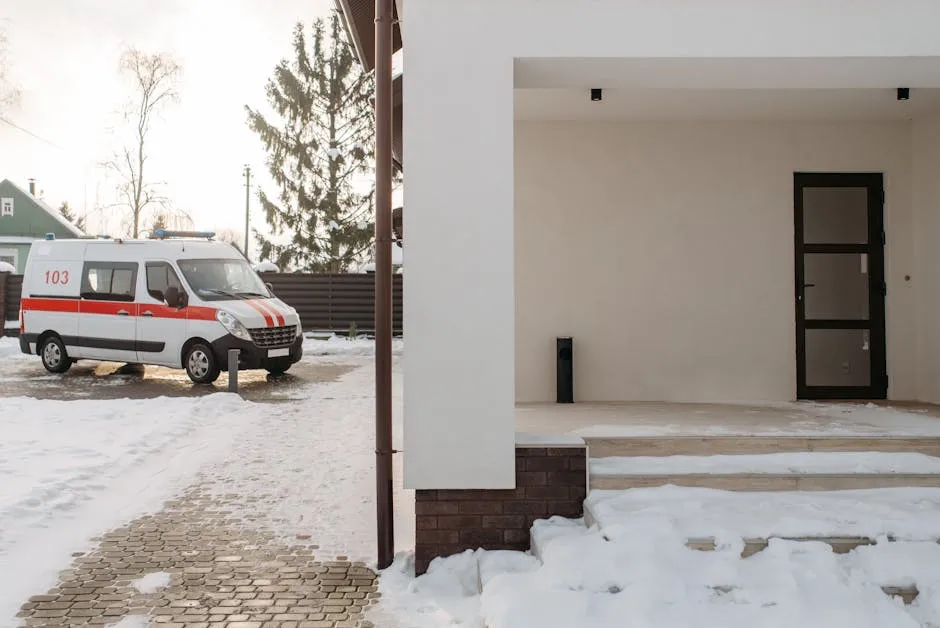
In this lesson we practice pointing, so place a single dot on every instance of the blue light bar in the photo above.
(50, 236)
(162, 234)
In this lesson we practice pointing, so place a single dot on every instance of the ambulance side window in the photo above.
(109, 281)
(161, 276)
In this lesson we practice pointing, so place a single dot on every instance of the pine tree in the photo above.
(69, 215)
(319, 150)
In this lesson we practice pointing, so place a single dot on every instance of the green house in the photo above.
(25, 219)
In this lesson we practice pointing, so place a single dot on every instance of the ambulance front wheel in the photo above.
(53, 354)
(201, 365)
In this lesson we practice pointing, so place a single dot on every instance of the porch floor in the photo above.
(636, 419)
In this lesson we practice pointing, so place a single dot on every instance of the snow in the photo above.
(652, 580)
(132, 621)
(11, 325)
(6, 267)
(342, 346)
(289, 467)
(266, 267)
(71, 470)
(692, 513)
(849, 462)
(790, 419)
(10, 349)
(152, 582)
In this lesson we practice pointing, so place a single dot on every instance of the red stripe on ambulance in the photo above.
(273, 312)
(117, 308)
(268, 319)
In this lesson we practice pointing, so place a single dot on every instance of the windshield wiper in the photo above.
(254, 294)
(224, 293)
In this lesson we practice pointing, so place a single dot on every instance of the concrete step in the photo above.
(840, 545)
(712, 445)
(905, 513)
(768, 481)
(796, 471)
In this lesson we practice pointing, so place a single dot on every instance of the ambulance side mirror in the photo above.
(173, 297)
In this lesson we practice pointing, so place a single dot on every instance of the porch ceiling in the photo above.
(725, 104)
(714, 73)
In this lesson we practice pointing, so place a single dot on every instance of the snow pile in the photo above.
(6, 267)
(152, 582)
(653, 580)
(266, 267)
(694, 513)
(11, 325)
(71, 470)
(10, 348)
(841, 462)
(341, 346)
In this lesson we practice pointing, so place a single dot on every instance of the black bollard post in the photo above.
(233, 370)
(564, 386)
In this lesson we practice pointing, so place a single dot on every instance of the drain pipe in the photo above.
(383, 282)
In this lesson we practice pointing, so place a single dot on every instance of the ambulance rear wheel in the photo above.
(201, 365)
(53, 354)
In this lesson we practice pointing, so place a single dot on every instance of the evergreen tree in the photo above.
(69, 215)
(319, 149)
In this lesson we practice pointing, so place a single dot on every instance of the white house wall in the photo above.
(666, 251)
(458, 126)
(927, 274)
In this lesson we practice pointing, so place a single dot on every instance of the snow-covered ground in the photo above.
(10, 348)
(305, 467)
(650, 579)
(71, 470)
(342, 346)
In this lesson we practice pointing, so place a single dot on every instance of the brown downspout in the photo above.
(383, 282)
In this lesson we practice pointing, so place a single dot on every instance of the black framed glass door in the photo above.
(840, 286)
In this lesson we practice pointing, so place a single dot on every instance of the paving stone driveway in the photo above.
(222, 574)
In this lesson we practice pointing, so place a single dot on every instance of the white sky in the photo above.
(64, 56)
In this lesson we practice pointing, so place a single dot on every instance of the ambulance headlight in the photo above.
(232, 325)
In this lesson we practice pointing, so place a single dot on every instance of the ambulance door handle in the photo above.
(123, 313)
(148, 313)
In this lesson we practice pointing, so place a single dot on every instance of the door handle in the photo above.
(148, 313)
(123, 313)
(809, 285)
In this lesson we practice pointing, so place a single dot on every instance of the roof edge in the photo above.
(41, 204)
(345, 12)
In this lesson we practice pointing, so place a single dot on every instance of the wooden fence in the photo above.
(325, 302)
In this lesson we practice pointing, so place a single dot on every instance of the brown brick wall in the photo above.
(549, 481)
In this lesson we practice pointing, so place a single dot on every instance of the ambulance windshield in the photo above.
(221, 279)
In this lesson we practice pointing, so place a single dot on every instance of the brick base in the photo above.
(549, 481)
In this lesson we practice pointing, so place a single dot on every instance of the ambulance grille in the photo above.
(273, 337)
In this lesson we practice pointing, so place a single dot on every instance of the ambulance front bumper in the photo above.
(251, 356)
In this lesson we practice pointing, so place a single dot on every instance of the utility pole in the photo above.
(383, 282)
(247, 203)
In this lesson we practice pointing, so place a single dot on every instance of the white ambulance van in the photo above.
(181, 300)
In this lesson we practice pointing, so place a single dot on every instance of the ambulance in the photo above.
(180, 300)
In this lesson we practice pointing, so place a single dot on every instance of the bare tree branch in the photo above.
(9, 94)
(155, 80)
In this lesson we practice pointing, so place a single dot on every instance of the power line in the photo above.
(30, 133)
